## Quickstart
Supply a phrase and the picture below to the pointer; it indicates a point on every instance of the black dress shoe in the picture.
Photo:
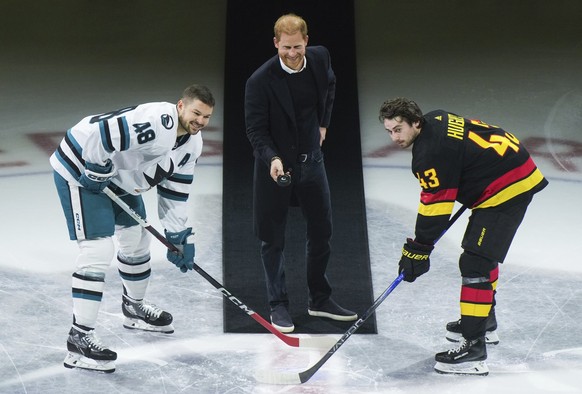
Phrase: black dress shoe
(330, 309)
(281, 319)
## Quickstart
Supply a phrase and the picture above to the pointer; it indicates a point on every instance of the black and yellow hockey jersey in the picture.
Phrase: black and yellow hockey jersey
(469, 161)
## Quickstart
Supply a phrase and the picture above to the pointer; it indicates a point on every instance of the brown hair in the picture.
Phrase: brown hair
(199, 92)
(290, 24)
(401, 107)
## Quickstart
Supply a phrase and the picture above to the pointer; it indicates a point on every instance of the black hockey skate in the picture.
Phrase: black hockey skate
(491, 338)
(87, 352)
(142, 315)
(468, 359)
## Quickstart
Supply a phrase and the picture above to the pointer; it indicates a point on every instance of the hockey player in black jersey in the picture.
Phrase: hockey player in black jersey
(486, 169)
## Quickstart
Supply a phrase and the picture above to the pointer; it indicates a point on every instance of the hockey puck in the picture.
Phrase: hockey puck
(284, 180)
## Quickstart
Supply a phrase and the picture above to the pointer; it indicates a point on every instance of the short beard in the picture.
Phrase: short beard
(187, 129)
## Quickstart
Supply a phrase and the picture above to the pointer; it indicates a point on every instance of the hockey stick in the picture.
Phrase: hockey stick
(275, 377)
(317, 342)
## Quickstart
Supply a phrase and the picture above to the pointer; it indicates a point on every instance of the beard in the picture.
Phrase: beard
(186, 126)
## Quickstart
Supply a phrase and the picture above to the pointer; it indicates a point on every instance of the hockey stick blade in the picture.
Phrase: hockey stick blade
(276, 377)
(315, 342)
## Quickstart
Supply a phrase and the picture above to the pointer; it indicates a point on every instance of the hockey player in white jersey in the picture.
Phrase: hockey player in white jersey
(130, 150)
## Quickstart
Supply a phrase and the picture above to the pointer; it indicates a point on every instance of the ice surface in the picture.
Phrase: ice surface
(540, 287)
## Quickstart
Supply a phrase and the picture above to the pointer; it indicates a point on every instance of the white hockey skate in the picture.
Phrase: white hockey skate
(87, 352)
(142, 315)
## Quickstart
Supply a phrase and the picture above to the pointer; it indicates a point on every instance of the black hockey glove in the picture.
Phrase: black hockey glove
(415, 260)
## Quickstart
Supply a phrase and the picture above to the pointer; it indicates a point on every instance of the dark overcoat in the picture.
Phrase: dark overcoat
(272, 131)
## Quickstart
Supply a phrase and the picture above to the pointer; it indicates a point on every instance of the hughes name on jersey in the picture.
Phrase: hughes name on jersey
(466, 160)
(141, 141)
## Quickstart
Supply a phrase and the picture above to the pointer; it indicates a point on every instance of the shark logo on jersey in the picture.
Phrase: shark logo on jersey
(167, 121)
(159, 174)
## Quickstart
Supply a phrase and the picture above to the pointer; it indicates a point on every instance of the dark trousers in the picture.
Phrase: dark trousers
(311, 189)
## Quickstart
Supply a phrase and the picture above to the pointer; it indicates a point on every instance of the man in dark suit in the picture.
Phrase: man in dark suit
(288, 103)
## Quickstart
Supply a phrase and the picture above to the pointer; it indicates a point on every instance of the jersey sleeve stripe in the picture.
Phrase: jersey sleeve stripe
(440, 196)
(106, 136)
(172, 194)
(182, 178)
(436, 209)
(123, 133)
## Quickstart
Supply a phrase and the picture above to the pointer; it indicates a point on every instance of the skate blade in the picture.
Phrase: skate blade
(491, 337)
(453, 336)
(73, 360)
(137, 324)
(478, 368)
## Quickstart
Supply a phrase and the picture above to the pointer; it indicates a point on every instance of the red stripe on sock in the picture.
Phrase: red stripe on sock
(476, 296)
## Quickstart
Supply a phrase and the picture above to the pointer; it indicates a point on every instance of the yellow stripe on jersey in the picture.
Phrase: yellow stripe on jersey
(476, 310)
(436, 209)
(514, 190)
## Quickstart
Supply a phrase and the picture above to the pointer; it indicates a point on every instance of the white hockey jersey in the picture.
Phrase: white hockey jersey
(142, 143)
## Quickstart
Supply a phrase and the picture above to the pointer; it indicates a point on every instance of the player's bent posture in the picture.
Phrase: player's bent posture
(130, 150)
(486, 169)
